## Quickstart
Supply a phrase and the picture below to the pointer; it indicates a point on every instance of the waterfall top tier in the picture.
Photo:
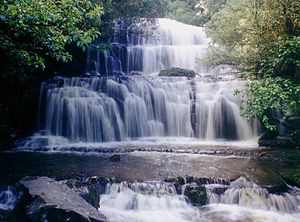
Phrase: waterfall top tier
(163, 32)
(177, 33)
(146, 50)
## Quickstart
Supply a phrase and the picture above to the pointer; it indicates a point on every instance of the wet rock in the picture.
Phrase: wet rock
(189, 179)
(277, 142)
(178, 182)
(219, 190)
(175, 71)
(196, 194)
(55, 201)
(87, 191)
(100, 183)
(267, 140)
(115, 158)
(277, 189)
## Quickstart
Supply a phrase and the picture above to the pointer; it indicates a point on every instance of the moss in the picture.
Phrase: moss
(197, 195)
(292, 177)
(175, 71)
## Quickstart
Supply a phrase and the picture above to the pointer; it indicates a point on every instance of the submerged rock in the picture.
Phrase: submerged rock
(55, 201)
(115, 158)
(175, 71)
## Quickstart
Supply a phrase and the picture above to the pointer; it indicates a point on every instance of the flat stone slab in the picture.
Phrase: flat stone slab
(57, 195)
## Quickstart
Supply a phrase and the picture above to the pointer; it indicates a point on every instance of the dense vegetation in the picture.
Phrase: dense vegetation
(193, 12)
(262, 39)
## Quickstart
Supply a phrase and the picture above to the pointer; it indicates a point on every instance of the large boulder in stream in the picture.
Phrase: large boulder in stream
(177, 72)
(51, 200)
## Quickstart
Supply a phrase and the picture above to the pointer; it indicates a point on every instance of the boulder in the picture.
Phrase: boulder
(55, 201)
(178, 72)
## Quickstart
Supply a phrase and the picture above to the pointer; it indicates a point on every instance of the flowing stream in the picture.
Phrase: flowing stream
(121, 105)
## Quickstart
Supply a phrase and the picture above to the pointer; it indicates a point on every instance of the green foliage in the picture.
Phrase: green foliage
(292, 177)
(194, 12)
(230, 31)
(34, 30)
(186, 12)
(282, 59)
(272, 93)
(120, 9)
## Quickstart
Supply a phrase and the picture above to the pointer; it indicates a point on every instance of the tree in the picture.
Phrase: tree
(34, 30)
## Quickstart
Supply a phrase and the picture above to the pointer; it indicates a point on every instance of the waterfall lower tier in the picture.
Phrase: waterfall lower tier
(156, 201)
(94, 109)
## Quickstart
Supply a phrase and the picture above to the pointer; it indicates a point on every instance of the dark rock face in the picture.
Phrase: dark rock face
(267, 140)
(55, 201)
(175, 71)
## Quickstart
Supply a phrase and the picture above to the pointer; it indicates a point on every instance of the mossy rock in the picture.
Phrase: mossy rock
(177, 72)
(196, 194)
(292, 178)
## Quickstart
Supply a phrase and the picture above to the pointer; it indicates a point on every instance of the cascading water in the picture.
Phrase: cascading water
(145, 202)
(156, 201)
(8, 198)
(172, 44)
(129, 107)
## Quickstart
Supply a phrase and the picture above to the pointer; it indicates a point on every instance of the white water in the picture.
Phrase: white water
(155, 201)
(172, 44)
(145, 202)
(8, 198)
(98, 109)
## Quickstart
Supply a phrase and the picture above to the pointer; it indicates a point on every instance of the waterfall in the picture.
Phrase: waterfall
(157, 201)
(123, 99)
(97, 109)
(145, 202)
